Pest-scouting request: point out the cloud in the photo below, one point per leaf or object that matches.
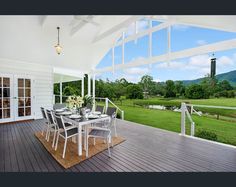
(225, 61)
(199, 61)
(201, 42)
(180, 27)
(136, 71)
(171, 65)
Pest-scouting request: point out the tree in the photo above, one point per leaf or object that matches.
(195, 91)
(179, 88)
(224, 85)
(69, 91)
(170, 89)
(134, 92)
(147, 83)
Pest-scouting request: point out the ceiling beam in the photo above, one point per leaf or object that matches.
(145, 32)
(117, 28)
(219, 46)
(43, 20)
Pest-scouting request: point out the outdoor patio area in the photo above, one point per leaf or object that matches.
(146, 149)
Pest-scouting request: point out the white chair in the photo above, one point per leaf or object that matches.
(45, 118)
(102, 133)
(65, 132)
(112, 112)
(52, 127)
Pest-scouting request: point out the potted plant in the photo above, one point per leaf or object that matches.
(88, 101)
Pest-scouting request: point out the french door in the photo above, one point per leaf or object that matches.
(6, 98)
(15, 98)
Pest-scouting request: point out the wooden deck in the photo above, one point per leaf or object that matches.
(146, 149)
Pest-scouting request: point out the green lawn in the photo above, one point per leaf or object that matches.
(176, 102)
(168, 120)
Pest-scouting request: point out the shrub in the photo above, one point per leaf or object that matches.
(195, 91)
(206, 135)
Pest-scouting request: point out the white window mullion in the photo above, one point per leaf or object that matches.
(123, 48)
(168, 44)
(113, 60)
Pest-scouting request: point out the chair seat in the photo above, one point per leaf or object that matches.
(99, 133)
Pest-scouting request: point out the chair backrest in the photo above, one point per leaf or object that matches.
(43, 113)
(100, 108)
(59, 106)
(50, 117)
(111, 111)
(60, 122)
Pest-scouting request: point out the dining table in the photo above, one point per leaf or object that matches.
(84, 121)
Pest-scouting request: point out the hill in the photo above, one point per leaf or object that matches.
(229, 76)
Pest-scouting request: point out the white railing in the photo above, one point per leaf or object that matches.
(107, 101)
(184, 112)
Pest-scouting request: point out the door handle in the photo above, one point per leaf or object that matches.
(14, 97)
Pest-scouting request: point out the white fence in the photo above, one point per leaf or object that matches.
(185, 112)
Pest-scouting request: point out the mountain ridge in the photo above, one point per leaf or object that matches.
(229, 76)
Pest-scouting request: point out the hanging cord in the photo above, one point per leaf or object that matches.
(58, 40)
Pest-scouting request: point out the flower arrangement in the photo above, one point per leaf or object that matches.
(75, 101)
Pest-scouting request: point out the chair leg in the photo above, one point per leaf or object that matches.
(94, 141)
(54, 137)
(46, 137)
(64, 150)
(108, 147)
(87, 144)
(115, 128)
(57, 140)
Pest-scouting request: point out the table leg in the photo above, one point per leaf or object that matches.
(79, 140)
(85, 137)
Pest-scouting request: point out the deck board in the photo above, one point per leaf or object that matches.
(146, 149)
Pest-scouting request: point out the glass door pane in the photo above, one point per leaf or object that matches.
(24, 97)
(5, 97)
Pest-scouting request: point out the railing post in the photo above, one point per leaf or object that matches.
(106, 104)
(192, 128)
(183, 108)
(122, 115)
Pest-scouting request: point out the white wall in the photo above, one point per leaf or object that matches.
(42, 76)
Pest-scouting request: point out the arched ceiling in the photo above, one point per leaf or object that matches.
(85, 39)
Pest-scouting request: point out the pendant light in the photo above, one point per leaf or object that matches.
(58, 47)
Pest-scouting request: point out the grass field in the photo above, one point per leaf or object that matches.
(169, 120)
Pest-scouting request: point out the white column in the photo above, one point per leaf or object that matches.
(89, 85)
(61, 91)
(82, 86)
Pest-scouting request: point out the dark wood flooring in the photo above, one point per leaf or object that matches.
(145, 149)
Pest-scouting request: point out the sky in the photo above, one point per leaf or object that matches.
(182, 37)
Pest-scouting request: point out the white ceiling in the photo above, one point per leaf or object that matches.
(32, 38)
